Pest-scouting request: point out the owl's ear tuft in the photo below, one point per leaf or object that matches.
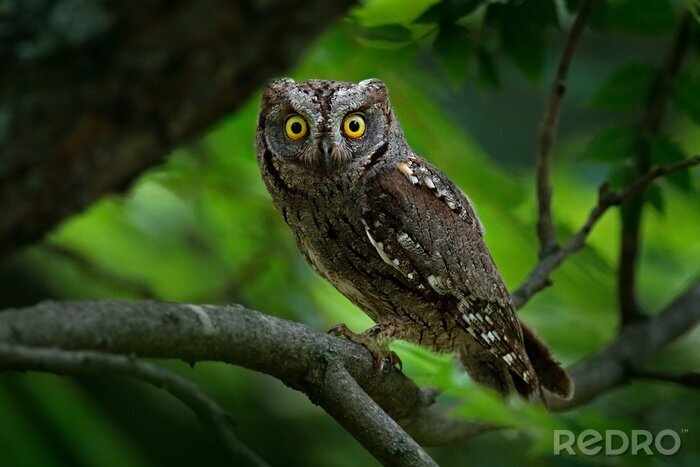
(279, 83)
(275, 87)
(373, 84)
(377, 88)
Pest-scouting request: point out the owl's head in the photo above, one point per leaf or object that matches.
(320, 127)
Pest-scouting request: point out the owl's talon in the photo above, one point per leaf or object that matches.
(341, 330)
(380, 354)
(395, 360)
(380, 360)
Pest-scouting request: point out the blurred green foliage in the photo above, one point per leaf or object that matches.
(201, 228)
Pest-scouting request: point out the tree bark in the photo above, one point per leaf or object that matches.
(313, 362)
(92, 93)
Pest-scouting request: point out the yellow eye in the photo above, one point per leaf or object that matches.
(354, 125)
(296, 127)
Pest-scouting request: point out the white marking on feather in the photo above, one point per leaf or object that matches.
(465, 317)
(495, 335)
(490, 336)
(204, 319)
(396, 261)
(526, 376)
(406, 170)
(436, 283)
(411, 275)
(488, 320)
(429, 182)
(414, 179)
(451, 205)
(508, 358)
(471, 331)
(379, 246)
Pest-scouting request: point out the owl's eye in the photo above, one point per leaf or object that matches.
(354, 125)
(296, 127)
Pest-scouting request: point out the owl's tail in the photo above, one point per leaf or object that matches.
(549, 374)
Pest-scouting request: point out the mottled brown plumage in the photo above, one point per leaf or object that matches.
(392, 233)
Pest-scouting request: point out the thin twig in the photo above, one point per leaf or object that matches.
(547, 133)
(538, 278)
(631, 213)
(658, 172)
(54, 360)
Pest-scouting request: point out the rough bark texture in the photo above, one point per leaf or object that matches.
(317, 364)
(94, 92)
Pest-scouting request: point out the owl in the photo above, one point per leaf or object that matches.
(393, 234)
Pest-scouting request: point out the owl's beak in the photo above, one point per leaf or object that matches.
(326, 161)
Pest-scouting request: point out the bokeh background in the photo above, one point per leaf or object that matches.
(201, 228)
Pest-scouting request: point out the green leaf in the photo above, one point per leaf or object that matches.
(612, 144)
(453, 51)
(621, 177)
(387, 32)
(523, 29)
(626, 89)
(653, 196)
(686, 96)
(694, 7)
(650, 17)
(448, 11)
(666, 151)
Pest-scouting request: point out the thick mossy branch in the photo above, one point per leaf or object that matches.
(92, 93)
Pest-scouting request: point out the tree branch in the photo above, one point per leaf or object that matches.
(635, 345)
(334, 373)
(690, 379)
(53, 360)
(113, 87)
(293, 353)
(539, 276)
(345, 401)
(547, 133)
(631, 214)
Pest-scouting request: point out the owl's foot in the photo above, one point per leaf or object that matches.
(375, 339)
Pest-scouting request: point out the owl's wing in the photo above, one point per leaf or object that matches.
(425, 227)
